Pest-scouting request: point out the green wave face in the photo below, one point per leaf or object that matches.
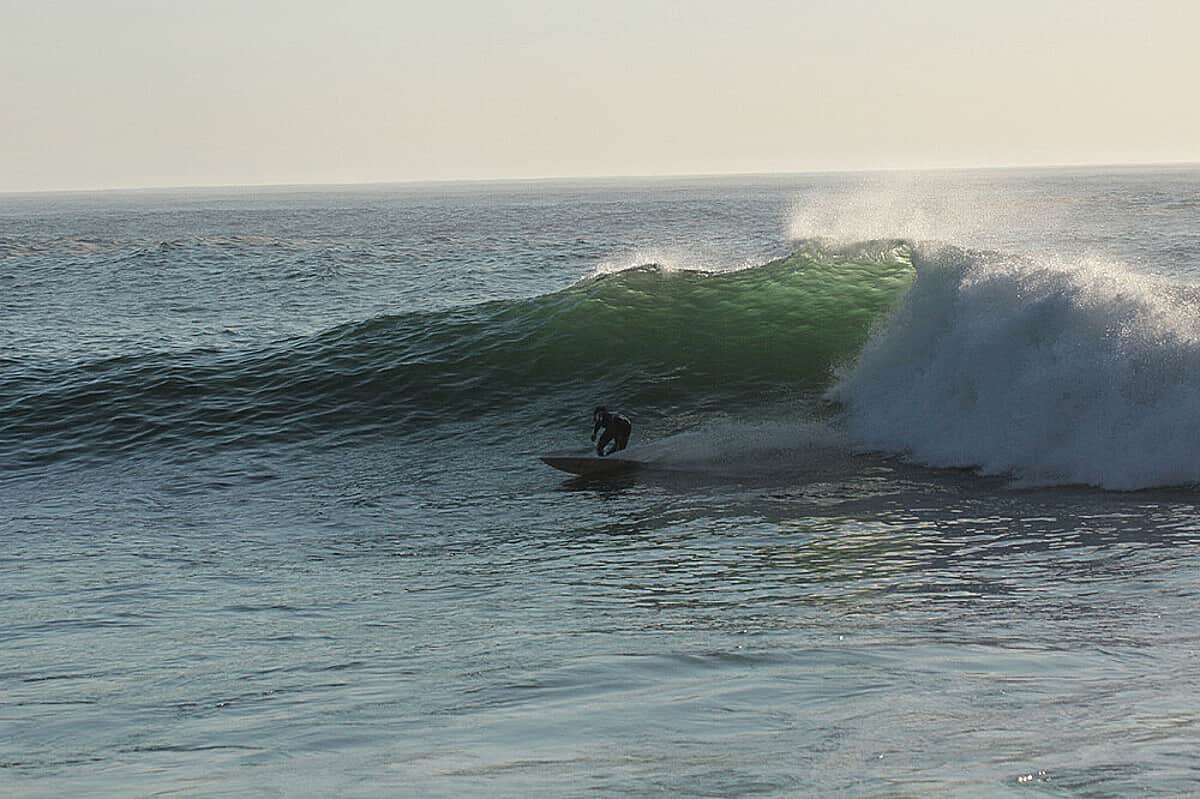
(664, 345)
(666, 339)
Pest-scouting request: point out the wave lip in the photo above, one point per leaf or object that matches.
(1051, 372)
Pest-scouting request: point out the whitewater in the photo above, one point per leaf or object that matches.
(919, 519)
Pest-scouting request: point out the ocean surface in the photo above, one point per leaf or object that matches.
(920, 516)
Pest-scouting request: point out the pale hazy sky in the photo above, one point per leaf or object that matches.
(129, 93)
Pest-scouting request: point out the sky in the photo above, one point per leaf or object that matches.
(101, 94)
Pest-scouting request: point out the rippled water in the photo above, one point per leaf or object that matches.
(429, 611)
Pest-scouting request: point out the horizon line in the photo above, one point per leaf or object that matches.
(584, 178)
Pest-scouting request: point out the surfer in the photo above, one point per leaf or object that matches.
(616, 429)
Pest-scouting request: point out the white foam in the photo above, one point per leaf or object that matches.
(671, 260)
(1051, 371)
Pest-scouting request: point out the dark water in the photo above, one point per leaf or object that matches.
(274, 523)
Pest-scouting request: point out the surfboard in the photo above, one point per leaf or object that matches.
(591, 466)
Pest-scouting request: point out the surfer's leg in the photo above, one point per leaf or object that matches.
(605, 437)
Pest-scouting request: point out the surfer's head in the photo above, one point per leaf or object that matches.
(600, 413)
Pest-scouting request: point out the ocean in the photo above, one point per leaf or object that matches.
(920, 516)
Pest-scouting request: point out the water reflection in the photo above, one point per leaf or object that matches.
(942, 539)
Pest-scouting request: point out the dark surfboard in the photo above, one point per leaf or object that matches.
(591, 466)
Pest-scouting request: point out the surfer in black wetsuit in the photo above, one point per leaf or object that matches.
(616, 429)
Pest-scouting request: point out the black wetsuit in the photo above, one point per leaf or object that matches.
(616, 428)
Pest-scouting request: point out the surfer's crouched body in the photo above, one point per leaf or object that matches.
(616, 429)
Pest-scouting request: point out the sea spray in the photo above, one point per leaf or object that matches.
(726, 445)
